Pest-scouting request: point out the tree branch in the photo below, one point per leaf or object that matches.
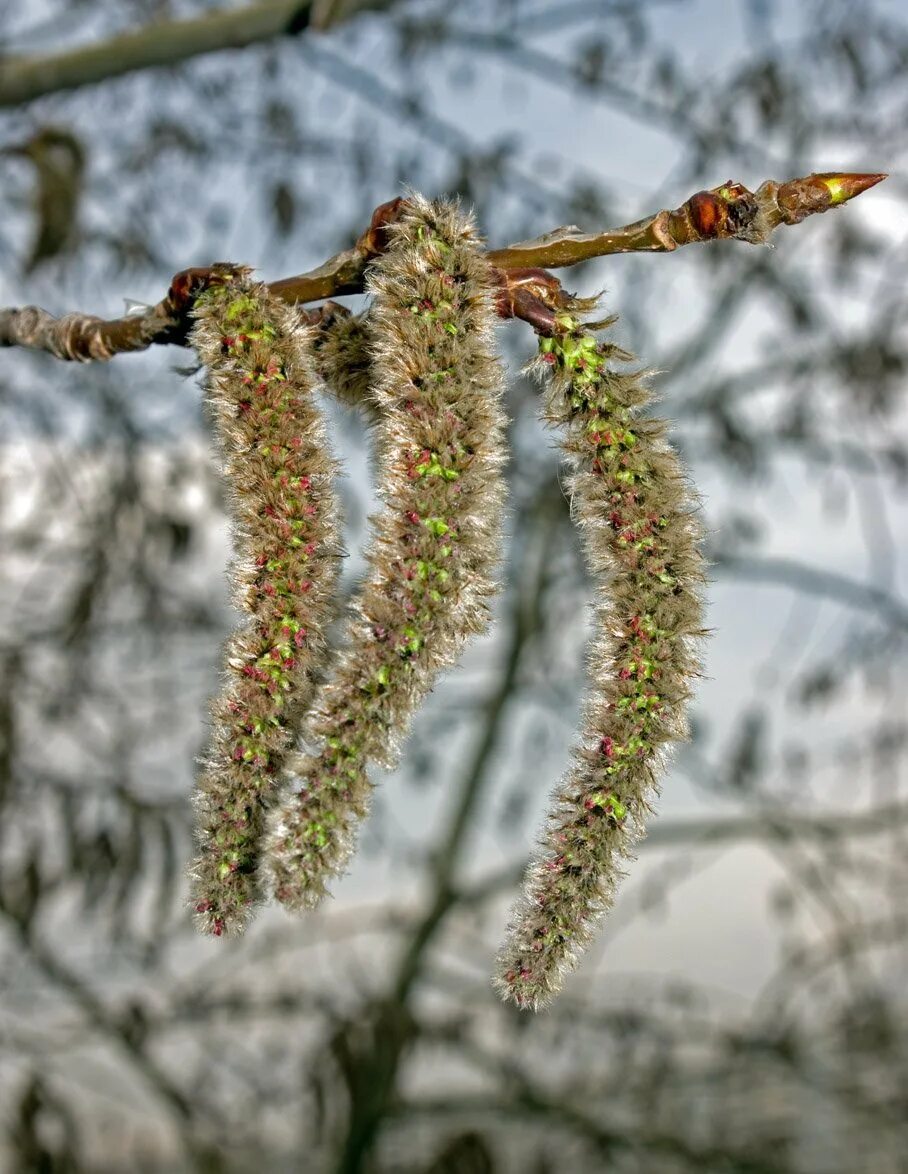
(170, 42)
(823, 584)
(765, 824)
(728, 212)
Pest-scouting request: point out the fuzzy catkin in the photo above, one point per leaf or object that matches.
(440, 437)
(343, 360)
(280, 474)
(641, 537)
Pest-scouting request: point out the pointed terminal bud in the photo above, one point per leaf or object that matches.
(846, 185)
(800, 198)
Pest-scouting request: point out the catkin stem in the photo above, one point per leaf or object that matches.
(641, 538)
(440, 430)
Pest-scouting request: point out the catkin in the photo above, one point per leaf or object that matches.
(280, 475)
(343, 358)
(440, 439)
(641, 538)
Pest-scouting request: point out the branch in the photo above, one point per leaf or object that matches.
(729, 212)
(766, 825)
(379, 1065)
(115, 1030)
(864, 597)
(170, 42)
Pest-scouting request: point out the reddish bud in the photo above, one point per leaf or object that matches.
(707, 214)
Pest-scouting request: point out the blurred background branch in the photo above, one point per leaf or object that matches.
(166, 43)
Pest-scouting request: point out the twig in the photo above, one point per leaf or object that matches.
(763, 825)
(729, 212)
(814, 581)
(167, 43)
(116, 1030)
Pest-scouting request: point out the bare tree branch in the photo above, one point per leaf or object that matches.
(728, 212)
(817, 582)
(169, 42)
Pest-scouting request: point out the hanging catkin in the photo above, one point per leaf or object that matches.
(436, 546)
(641, 538)
(279, 472)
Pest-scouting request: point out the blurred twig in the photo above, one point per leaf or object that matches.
(167, 43)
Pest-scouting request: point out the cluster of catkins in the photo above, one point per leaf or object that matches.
(276, 820)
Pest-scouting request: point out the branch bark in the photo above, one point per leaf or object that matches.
(728, 212)
(171, 42)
